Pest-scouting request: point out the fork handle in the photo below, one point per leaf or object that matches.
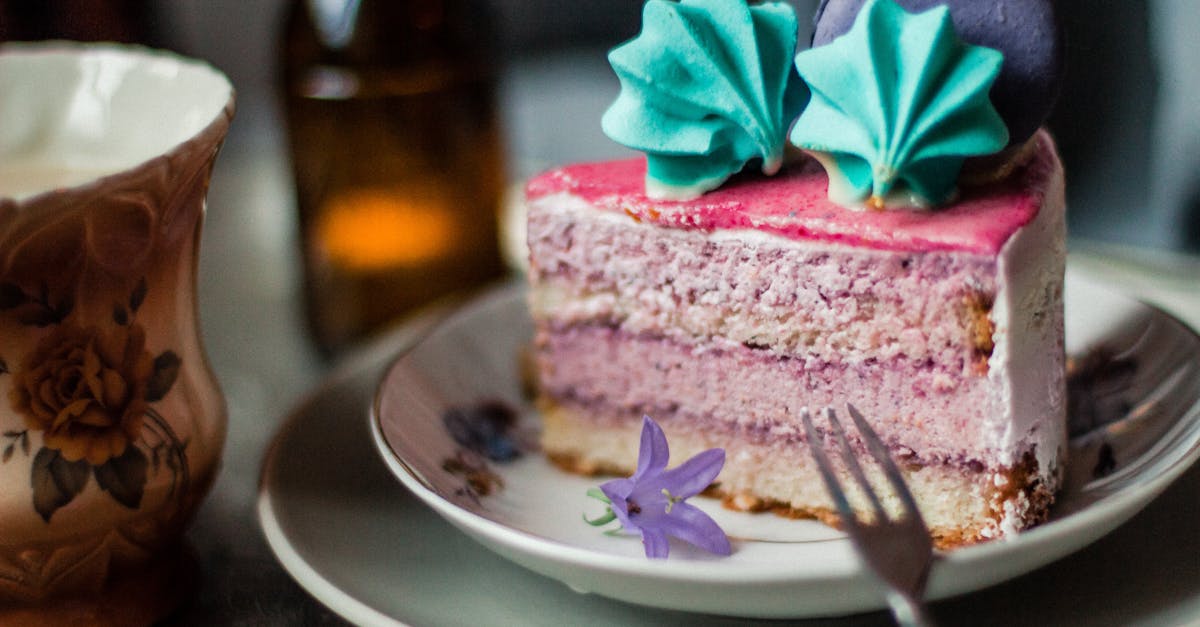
(908, 611)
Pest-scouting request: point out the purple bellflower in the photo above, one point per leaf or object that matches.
(651, 502)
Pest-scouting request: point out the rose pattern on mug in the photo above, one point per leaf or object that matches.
(89, 391)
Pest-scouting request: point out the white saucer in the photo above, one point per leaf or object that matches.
(530, 512)
(362, 545)
(366, 548)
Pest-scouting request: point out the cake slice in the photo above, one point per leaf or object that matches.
(723, 316)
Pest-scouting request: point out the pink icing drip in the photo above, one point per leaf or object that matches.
(794, 204)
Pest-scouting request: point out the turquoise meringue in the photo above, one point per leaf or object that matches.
(706, 87)
(898, 103)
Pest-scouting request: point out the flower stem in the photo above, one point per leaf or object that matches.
(605, 518)
(176, 449)
(163, 444)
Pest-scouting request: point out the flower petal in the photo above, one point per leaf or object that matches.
(95, 416)
(690, 524)
(693, 476)
(70, 412)
(656, 544)
(115, 390)
(617, 491)
(653, 453)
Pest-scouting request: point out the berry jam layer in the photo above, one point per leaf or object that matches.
(795, 205)
(927, 412)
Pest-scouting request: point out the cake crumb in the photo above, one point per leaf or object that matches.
(943, 383)
(743, 502)
(977, 307)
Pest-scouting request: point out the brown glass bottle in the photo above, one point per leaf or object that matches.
(396, 153)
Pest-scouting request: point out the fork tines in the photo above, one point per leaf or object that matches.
(899, 550)
(877, 451)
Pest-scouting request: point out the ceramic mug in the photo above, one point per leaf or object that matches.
(111, 422)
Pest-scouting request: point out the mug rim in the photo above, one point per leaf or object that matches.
(212, 133)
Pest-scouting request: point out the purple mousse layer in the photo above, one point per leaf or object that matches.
(794, 204)
(926, 412)
(833, 302)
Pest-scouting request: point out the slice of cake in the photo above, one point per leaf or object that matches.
(724, 316)
(722, 313)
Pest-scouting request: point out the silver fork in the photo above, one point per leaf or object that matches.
(898, 550)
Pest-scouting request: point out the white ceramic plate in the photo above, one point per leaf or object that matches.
(365, 547)
(1144, 375)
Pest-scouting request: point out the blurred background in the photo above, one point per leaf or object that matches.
(1128, 123)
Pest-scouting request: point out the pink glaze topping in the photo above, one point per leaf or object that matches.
(795, 204)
